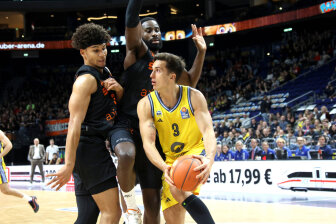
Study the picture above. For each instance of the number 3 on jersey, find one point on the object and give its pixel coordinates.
(176, 130)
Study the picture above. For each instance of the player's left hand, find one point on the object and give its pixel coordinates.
(205, 168)
(197, 36)
(112, 84)
(60, 178)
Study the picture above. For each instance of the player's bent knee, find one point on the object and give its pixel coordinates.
(179, 195)
(125, 152)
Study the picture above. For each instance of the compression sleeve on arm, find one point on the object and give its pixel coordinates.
(132, 13)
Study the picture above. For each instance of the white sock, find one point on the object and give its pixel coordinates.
(130, 199)
(26, 197)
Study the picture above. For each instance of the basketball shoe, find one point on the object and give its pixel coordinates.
(34, 204)
(134, 216)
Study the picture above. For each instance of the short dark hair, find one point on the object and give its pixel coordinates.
(323, 136)
(174, 63)
(147, 19)
(89, 34)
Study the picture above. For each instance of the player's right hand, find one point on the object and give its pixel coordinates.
(60, 178)
(111, 84)
(205, 168)
(167, 176)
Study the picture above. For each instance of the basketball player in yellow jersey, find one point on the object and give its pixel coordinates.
(181, 118)
(6, 146)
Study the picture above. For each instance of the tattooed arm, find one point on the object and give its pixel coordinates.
(148, 134)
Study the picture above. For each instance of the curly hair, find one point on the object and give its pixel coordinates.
(89, 34)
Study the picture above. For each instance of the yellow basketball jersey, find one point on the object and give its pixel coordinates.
(3, 177)
(177, 128)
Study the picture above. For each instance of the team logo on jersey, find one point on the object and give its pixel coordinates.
(158, 113)
(184, 113)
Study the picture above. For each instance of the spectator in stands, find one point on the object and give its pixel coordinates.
(255, 150)
(238, 135)
(55, 160)
(254, 124)
(51, 149)
(324, 150)
(266, 133)
(311, 132)
(265, 108)
(218, 151)
(225, 136)
(324, 114)
(275, 125)
(332, 129)
(246, 121)
(302, 150)
(251, 133)
(285, 152)
(227, 153)
(283, 123)
(329, 90)
(325, 125)
(316, 113)
(281, 134)
(230, 139)
(36, 156)
(267, 152)
(241, 154)
(306, 127)
(258, 134)
(245, 134)
(237, 123)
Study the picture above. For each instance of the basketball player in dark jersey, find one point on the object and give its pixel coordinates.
(143, 40)
(92, 113)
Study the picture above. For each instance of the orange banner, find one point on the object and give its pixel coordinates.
(57, 127)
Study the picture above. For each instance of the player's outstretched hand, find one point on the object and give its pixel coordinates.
(197, 36)
(167, 176)
(60, 178)
(205, 168)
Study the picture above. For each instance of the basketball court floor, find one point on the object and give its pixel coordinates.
(60, 207)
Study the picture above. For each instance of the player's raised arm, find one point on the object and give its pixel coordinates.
(135, 47)
(7, 145)
(191, 77)
(79, 101)
(204, 122)
(148, 134)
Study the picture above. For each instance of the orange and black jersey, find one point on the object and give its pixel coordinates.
(102, 109)
(137, 84)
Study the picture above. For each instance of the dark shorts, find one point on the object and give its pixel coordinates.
(148, 175)
(94, 170)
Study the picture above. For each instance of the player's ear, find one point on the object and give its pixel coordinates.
(82, 53)
(173, 76)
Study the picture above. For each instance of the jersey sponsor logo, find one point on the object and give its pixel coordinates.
(160, 120)
(177, 147)
(159, 113)
(150, 64)
(184, 113)
(144, 92)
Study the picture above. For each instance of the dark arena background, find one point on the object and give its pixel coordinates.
(269, 78)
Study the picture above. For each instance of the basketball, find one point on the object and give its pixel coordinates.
(183, 175)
